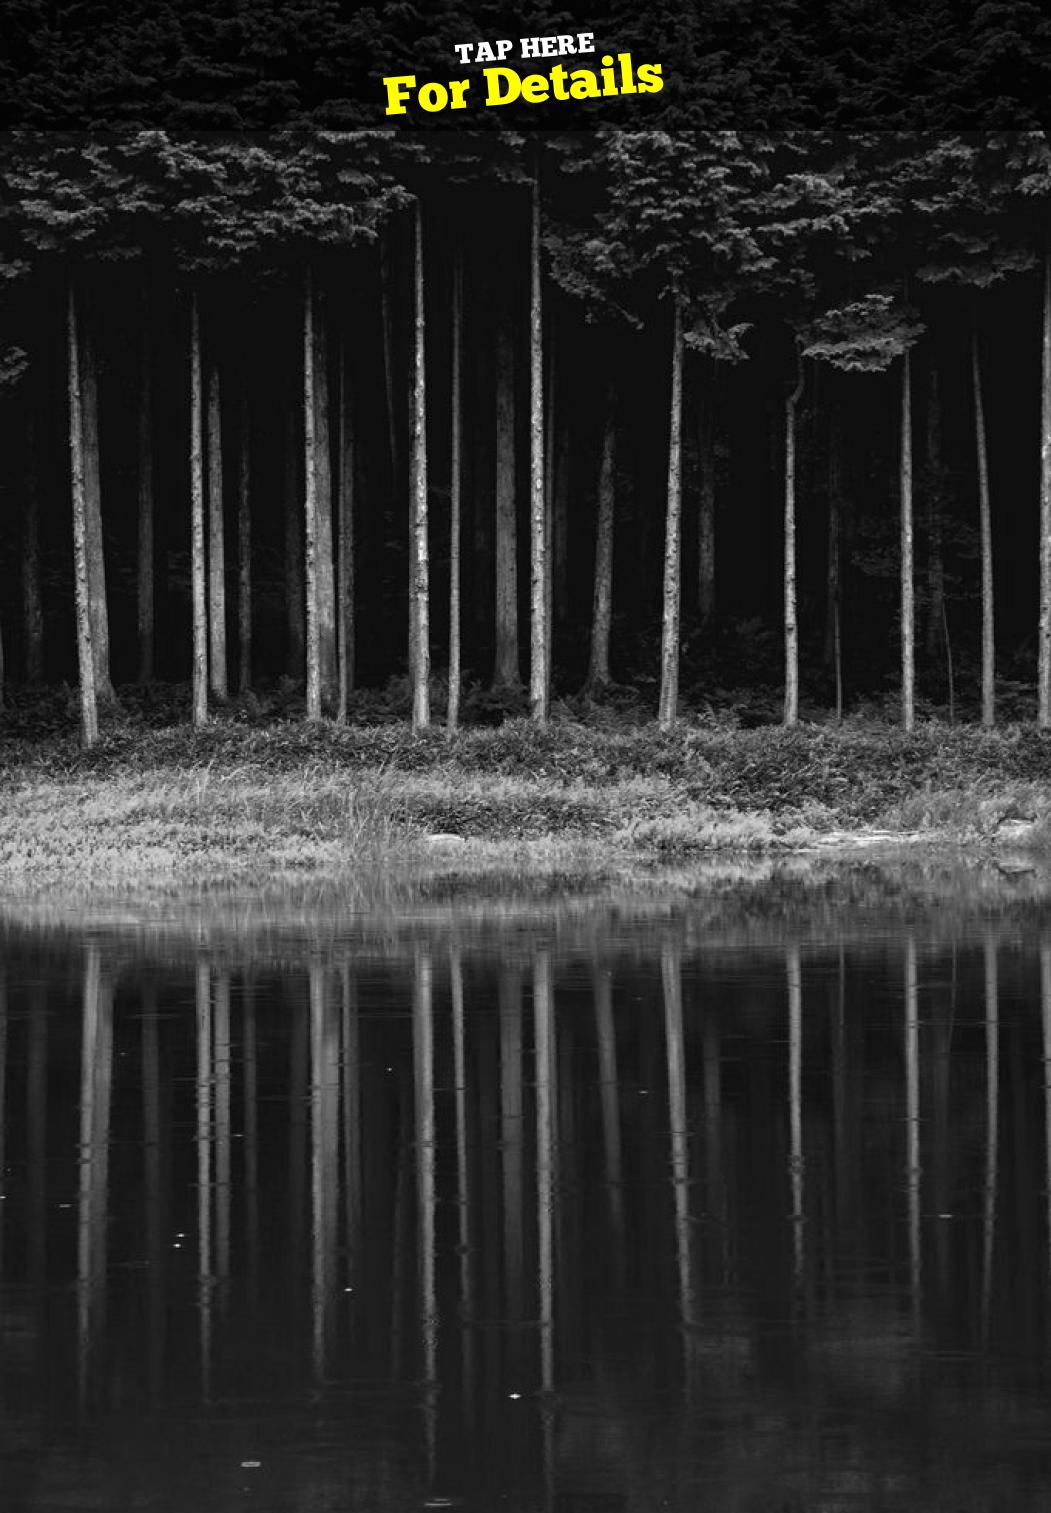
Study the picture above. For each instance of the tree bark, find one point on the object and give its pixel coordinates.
(313, 649)
(345, 565)
(538, 516)
(295, 606)
(669, 689)
(89, 725)
(32, 609)
(1043, 676)
(791, 716)
(244, 543)
(144, 596)
(706, 512)
(197, 554)
(935, 554)
(908, 614)
(326, 575)
(985, 536)
(506, 673)
(217, 667)
(834, 629)
(419, 587)
(452, 717)
(598, 676)
(93, 515)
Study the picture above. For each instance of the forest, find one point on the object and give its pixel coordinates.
(462, 425)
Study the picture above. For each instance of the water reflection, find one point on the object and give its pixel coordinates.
(603, 1222)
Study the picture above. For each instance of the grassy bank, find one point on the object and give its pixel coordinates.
(251, 802)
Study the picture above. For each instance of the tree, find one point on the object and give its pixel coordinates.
(198, 576)
(598, 675)
(669, 689)
(419, 589)
(244, 545)
(345, 561)
(455, 491)
(792, 399)
(217, 667)
(310, 507)
(539, 563)
(89, 724)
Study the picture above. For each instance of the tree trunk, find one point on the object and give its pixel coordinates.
(32, 609)
(93, 516)
(244, 543)
(216, 542)
(313, 649)
(89, 725)
(706, 512)
(419, 588)
(345, 566)
(197, 559)
(598, 676)
(669, 691)
(834, 630)
(1043, 675)
(791, 621)
(538, 517)
(295, 607)
(506, 674)
(144, 597)
(935, 554)
(326, 575)
(388, 360)
(985, 536)
(452, 718)
(908, 616)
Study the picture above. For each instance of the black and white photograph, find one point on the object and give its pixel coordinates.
(525, 757)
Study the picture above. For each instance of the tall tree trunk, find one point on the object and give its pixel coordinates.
(538, 516)
(216, 542)
(985, 536)
(313, 648)
(935, 552)
(791, 621)
(345, 565)
(834, 629)
(506, 674)
(144, 596)
(908, 615)
(295, 604)
(244, 542)
(89, 725)
(669, 691)
(1043, 675)
(598, 676)
(326, 575)
(93, 515)
(419, 587)
(32, 609)
(197, 554)
(706, 512)
(452, 718)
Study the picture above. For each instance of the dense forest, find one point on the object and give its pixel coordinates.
(482, 420)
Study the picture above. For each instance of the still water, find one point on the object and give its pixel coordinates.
(586, 1210)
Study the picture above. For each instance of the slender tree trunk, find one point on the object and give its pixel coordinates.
(144, 597)
(89, 725)
(313, 650)
(706, 512)
(419, 587)
(197, 554)
(345, 566)
(834, 632)
(669, 691)
(598, 676)
(452, 718)
(244, 542)
(326, 575)
(93, 515)
(935, 553)
(908, 615)
(1043, 676)
(791, 621)
(295, 605)
(985, 535)
(538, 516)
(217, 668)
(32, 610)
(506, 674)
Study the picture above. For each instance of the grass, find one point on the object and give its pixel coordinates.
(247, 801)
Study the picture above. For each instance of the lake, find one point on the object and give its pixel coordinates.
(732, 1194)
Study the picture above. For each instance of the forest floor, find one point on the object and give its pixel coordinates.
(245, 801)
